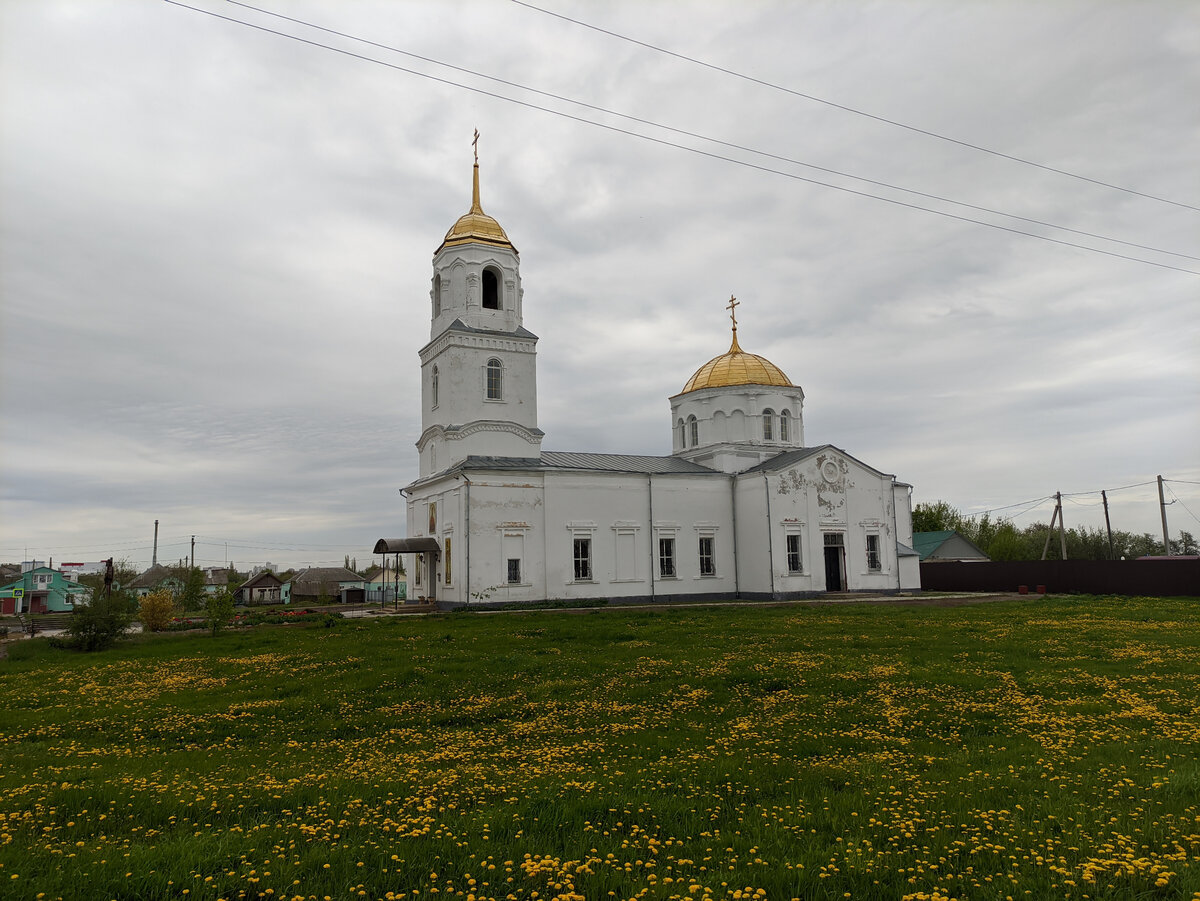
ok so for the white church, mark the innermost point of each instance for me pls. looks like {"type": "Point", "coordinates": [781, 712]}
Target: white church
{"type": "Point", "coordinates": [741, 508]}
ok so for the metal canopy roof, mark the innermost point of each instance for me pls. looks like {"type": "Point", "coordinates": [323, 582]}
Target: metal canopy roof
{"type": "Point", "coordinates": [406, 545]}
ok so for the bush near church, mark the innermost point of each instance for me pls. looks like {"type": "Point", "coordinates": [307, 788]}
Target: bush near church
{"type": "Point", "coordinates": [155, 610]}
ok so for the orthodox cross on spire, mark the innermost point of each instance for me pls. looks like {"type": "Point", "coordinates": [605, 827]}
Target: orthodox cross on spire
{"type": "Point", "coordinates": [731, 307]}
{"type": "Point", "coordinates": [475, 145]}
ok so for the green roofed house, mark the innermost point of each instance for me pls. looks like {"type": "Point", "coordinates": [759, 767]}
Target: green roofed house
{"type": "Point", "coordinates": [946, 546]}
{"type": "Point", "coordinates": [42, 590]}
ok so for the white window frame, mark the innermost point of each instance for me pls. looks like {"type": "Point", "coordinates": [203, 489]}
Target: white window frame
{"type": "Point", "coordinates": [785, 433]}
{"type": "Point", "coordinates": [768, 430]}
{"type": "Point", "coordinates": [875, 566]}
{"type": "Point", "coordinates": [711, 556]}
{"type": "Point", "coordinates": [487, 380]}
{"type": "Point", "coordinates": [797, 537]}
{"type": "Point", "coordinates": [666, 532]}
{"type": "Point", "coordinates": [586, 560]}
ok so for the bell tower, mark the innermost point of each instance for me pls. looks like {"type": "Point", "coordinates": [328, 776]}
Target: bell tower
{"type": "Point", "coordinates": [478, 371]}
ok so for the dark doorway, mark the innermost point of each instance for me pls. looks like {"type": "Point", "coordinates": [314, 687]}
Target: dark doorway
{"type": "Point", "coordinates": [834, 580]}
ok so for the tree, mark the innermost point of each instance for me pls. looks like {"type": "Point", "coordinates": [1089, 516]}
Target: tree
{"type": "Point", "coordinates": [218, 608]}
{"type": "Point", "coordinates": [191, 596]}
{"type": "Point", "coordinates": [1185, 545]}
{"type": "Point", "coordinates": [156, 609]}
{"type": "Point", "coordinates": [936, 517]}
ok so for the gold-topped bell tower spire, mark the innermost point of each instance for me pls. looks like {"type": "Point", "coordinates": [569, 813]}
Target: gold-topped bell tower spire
{"type": "Point", "coordinates": [476, 226]}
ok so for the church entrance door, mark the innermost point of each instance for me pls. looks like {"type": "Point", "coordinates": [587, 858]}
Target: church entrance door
{"type": "Point", "coordinates": [834, 559]}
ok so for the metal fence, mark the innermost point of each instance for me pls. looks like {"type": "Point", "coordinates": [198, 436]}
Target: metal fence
{"type": "Point", "coordinates": [1169, 576]}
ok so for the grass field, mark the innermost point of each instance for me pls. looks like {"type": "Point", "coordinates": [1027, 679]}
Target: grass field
{"type": "Point", "coordinates": [1037, 749]}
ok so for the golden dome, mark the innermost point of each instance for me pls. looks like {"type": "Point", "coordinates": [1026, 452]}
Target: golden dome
{"type": "Point", "coordinates": [476, 226]}
{"type": "Point", "coordinates": [736, 367]}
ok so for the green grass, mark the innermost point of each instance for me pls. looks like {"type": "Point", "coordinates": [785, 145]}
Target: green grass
{"type": "Point", "coordinates": [1037, 749]}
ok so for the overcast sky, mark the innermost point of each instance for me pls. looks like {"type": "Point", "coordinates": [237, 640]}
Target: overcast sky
{"type": "Point", "coordinates": [216, 248]}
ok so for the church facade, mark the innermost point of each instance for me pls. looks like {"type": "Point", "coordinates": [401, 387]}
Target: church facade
{"type": "Point", "coordinates": [741, 508]}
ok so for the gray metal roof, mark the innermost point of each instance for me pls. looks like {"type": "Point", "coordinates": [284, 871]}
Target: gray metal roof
{"type": "Point", "coordinates": [587, 462]}
{"type": "Point", "coordinates": [792, 457]}
{"type": "Point", "coordinates": [459, 326]}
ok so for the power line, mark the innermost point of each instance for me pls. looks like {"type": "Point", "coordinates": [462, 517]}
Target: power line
{"type": "Point", "coordinates": [1109, 490]}
{"type": "Point", "coordinates": [1180, 500]}
{"type": "Point", "coordinates": [666, 143]}
{"type": "Point", "coordinates": [702, 137]}
{"type": "Point", "coordinates": [850, 109]}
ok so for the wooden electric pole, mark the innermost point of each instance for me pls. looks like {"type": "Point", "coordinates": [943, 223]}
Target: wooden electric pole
{"type": "Point", "coordinates": [1057, 517]}
{"type": "Point", "coordinates": [1162, 508]}
{"type": "Point", "coordinates": [1107, 524]}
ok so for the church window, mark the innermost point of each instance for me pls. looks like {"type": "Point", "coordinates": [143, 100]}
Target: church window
{"type": "Point", "coordinates": [708, 563]}
{"type": "Point", "coordinates": [873, 561]}
{"type": "Point", "coordinates": [666, 558]}
{"type": "Point", "coordinates": [433, 386]}
{"type": "Point", "coordinates": [437, 294]}
{"type": "Point", "coordinates": [491, 290]}
{"type": "Point", "coordinates": [784, 426]}
{"type": "Point", "coordinates": [694, 428]}
{"type": "Point", "coordinates": [768, 415]}
{"type": "Point", "coordinates": [446, 558]}
{"type": "Point", "coordinates": [419, 569]}
{"type": "Point", "coordinates": [682, 434]}
{"type": "Point", "coordinates": [512, 556]}
{"type": "Point", "coordinates": [583, 559]}
{"type": "Point", "coordinates": [495, 379]}
{"type": "Point", "coordinates": [795, 563]}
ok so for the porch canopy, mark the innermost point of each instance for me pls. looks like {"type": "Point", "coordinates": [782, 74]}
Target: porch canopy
{"type": "Point", "coordinates": [406, 546]}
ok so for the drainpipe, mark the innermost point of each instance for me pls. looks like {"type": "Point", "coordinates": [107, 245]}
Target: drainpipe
{"type": "Point", "coordinates": [895, 535]}
{"type": "Point", "coordinates": [770, 534]}
{"type": "Point", "coordinates": [650, 497]}
{"type": "Point", "coordinates": [737, 582]}
{"type": "Point", "coordinates": [467, 539]}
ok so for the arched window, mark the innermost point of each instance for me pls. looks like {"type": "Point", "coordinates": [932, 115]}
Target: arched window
{"type": "Point", "coordinates": [785, 431]}
{"type": "Point", "coordinates": [495, 379]}
{"type": "Point", "coordinates": [437, 294]}
{"type": "Point", "coordinates": [768, 415]}
{"type": "Point", "coordinates": [433, 386]}
{"type": "Point", "coordinates": [694, 428]}
{"type": "Point", "coordinates": [491, 290]}
{"type": "Point", "coordinates": [682, 434]}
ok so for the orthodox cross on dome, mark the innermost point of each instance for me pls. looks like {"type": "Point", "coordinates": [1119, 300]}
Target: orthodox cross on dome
{"type": "Point", "coordinates": [475, 145]}
{"type": "Point", "coordinates": [732, 306]}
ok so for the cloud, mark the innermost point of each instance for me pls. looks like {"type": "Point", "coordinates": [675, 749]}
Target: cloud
{"type": "Point", "coordinates": [215, 249]}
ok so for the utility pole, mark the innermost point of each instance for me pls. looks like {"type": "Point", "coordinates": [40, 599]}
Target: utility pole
{"type": "Point", "coordinates": [1062, 537]}
{"type": "Point", "coordinates": [154, 558]}
{"type": "Point", "coordinates": [1107, 524]}
{"type": "Point", "coordinates": [1162, 508]}
{"type": "Point", "coordinates": [193, 563]}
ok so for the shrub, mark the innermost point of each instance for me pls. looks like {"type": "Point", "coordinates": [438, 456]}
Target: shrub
{"type": "Point", "coordinates": [97, 625]}
{"type": "Point", "coordinates": [156, 609]}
